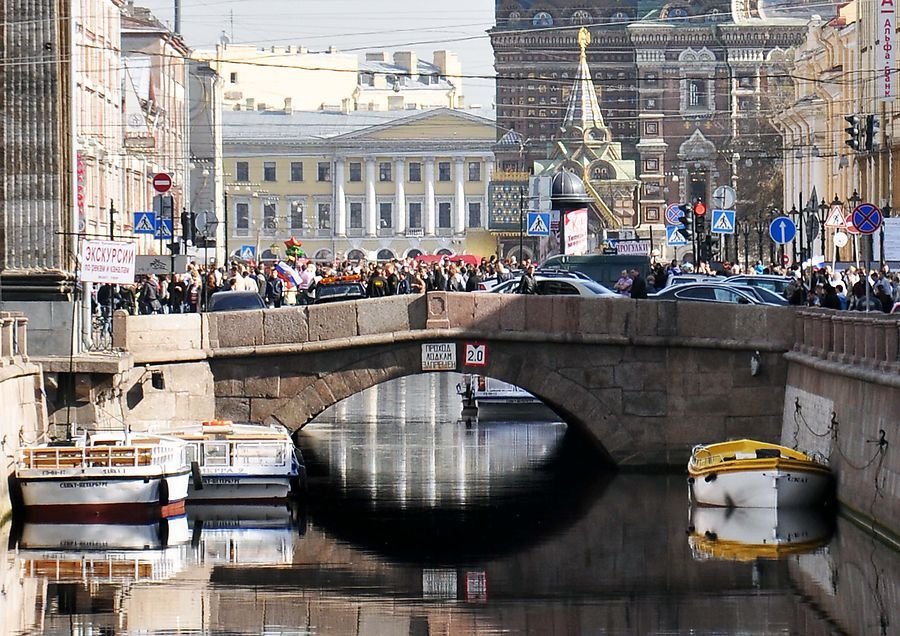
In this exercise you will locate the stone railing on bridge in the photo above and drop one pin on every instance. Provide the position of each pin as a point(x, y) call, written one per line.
point(13, 337)
point(865, 341)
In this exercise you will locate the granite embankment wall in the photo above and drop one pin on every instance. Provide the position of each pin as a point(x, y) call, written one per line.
point(842, 399)
point(23, 418)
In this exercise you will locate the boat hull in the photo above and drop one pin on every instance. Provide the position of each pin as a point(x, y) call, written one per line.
point(508, 409)
point(755, 488)
point(102, 498)
point(241, 489)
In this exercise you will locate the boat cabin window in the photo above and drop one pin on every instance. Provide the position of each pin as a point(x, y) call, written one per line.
point(215, 454)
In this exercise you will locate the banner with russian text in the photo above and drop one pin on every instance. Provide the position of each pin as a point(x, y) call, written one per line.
point(107, 262)
point(885, 64)
point(575, 231)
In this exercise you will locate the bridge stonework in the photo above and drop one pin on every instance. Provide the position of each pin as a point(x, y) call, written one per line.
point(643, 380)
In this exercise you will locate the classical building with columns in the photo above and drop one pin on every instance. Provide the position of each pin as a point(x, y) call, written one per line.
point(374, 185)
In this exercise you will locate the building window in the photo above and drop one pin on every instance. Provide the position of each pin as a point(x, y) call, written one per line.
point(385, 215)
point(474, 171)
point(296, 171)
point(652, 215)
point(324, 216)
point(475, 214)
point(242, 171)
point(242, 211)
point(651, 79)
point(651, 165)
point(581, 17)
point(356, 209)
point(384, 171)
point(696, 93)
point(415, 215)
point(444, 214)
point(324, 171)
point(269, 171)
point(542, 19)
point(651, 128)
point(444, 171)
point(270, 221)
point(355, 171)
point(296, 215)
point(233, 78)
point(415, 172)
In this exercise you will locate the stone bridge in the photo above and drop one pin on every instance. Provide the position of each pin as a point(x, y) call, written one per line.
point(644, 380)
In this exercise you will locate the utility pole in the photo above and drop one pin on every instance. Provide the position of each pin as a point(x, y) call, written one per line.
point(112, 220)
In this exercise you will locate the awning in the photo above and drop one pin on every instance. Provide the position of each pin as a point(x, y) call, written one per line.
point(468, 259)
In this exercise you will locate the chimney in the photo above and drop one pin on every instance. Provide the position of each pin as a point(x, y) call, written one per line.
point(288, 105)
point(376, 56)
point(251, 103)
point(409, 62)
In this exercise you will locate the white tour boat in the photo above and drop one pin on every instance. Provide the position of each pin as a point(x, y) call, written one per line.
point(104, 476)
point(495, 399)
point(751, 474)
point(241, 462)
point(747, 534)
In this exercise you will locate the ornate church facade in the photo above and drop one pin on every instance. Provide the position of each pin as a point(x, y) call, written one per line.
point(685, 88)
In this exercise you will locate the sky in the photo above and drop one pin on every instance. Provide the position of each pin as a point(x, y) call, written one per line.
point(351, 26)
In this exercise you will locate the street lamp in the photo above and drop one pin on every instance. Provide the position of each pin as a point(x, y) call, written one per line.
point(760, 228)
point(744, 226)
point(854, 200)
point(823, 212)
point(886, 212)
point(795, 217)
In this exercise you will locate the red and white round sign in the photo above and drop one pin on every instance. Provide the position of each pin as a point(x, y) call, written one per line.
point(786, 260)
point(162, 182)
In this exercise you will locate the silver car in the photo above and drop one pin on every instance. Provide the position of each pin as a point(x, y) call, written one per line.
point(710, 293)
point(560, 286)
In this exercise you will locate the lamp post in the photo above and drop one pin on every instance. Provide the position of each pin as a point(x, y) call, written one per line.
point(795, 216)
point(522, 198)
point(744, 226)
point(823, 211)
point(853, 201)
point(886, 212)
point(773, 252)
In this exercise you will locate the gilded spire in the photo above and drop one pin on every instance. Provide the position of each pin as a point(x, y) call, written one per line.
point(583, 111)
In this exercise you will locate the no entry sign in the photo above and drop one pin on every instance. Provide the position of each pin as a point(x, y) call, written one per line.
point(162, 182)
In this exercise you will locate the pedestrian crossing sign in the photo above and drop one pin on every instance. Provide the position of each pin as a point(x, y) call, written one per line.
point(145, 223)
point(674, 237)
point(723, 221)
point(163, 229)
point(248, 253)
point(538, 224)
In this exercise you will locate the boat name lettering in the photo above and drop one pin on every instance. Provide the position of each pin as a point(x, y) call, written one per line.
point(221, 481)
point(84, 484)
point(113, 471)
point(51, 473)
point(799, 480)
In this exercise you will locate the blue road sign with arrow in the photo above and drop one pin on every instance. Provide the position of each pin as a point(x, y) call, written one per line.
point(538, 224)
point(163, 228)
point(782, 230)
point(867, 218)
point(674, 237)
point(145, 223)
point(723, 221)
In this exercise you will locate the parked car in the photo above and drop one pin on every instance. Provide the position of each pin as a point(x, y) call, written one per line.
point(764, 294)
point(333, 289)
point(235, 301)
point(684, 279)
point(776, 284)
point(560, 286)
point(710, 293)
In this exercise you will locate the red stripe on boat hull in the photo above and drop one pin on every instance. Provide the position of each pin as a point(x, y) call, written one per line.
point(103, 513)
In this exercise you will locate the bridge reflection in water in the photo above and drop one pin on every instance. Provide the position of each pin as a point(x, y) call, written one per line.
point(418, 524)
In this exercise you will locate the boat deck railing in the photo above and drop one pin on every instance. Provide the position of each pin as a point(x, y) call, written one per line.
point(245, 452)
point(96, 457)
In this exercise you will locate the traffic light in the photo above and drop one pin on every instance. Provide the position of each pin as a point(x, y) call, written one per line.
point(174, 248)
point(853, 131)
point(700, 224)
point(187, 226)
point(872, 126)
point(687, 221)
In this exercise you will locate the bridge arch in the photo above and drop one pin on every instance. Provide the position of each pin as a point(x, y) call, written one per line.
point(292, 390)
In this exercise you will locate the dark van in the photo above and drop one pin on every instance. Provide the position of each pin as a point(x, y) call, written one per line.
point(603, 268)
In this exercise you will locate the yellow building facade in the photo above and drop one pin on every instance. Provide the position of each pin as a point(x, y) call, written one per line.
point(358, 185)
point(836, 76)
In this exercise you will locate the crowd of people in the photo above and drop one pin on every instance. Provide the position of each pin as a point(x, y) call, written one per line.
point(190, 291)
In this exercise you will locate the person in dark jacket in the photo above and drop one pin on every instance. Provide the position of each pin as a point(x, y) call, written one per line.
point(527, 284)
point(474, 279)
point(638, 285)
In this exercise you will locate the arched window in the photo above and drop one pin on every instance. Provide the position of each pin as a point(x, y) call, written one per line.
point(619, 17)
point(581, 17)
point(385, 255)
point(323, 255)
point(356, 255)
point(444, 252)
point(542, 19)
point(413, 253)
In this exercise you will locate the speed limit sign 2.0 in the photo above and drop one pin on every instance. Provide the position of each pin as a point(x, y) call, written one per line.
point(476, 354)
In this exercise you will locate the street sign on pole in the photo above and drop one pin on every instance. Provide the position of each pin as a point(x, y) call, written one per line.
point(782, 230)
point(867, 218)
point(145, 223)
point(163, 229)
point(835, 217)
point(812, 226)
point(674, 238)
point(848, 225)
point(674, 214)
point(162, 182)
point(723, 221)
point(538, 224)
point(724, 197)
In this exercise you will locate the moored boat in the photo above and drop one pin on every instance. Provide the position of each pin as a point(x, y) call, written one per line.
point(103, 477)
point(497, 400)
point(753, 474)
point(241, 462)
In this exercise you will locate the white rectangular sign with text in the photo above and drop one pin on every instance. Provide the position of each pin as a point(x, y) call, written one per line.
point(885, 65)
point(107, 262)
point(439, 356)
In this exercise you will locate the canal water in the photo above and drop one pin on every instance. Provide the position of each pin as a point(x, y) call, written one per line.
point(417, 522)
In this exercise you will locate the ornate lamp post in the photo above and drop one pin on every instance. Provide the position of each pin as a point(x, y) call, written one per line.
point(744, 226)
point(823, 216)
point(795, 217)
point(760, 228)
point(773, 251)
point(853, 201)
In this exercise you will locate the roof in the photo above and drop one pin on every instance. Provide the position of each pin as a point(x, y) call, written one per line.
point(407, 81)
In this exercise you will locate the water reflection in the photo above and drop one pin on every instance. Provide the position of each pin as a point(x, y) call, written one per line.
point(420, 525)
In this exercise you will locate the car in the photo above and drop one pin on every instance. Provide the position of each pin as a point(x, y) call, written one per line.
point(764, 294)
point(603, 268)
point(336, 288)
point(683, 279)
point(709, 292)
point(235, 301)
point(560, 286)
point(777, 284)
